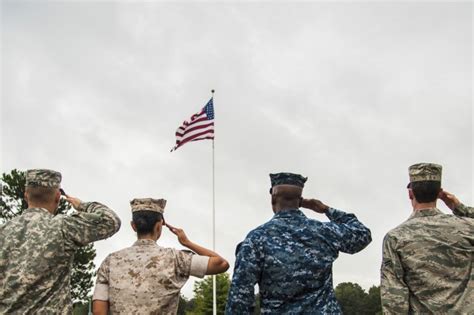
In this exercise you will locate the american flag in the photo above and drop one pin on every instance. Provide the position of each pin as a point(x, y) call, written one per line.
point(200, 127)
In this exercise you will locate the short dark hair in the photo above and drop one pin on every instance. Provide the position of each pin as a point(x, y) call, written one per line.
point(145, 221)
point(426, 191)
point(40, 194)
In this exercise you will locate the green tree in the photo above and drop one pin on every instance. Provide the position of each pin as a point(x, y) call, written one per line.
point(354, 300)
point(185, 306)
point(13, 204)
point(373, 303)
point(203, 295)
point(351, 298)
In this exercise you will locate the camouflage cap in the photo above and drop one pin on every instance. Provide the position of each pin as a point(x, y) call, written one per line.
point(425, 171)
point(287, 179)
point(43, 178)
point(148, 204)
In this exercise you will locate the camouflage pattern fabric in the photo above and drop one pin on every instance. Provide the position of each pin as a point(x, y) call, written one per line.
point(291, 257)
point(43, 178)
point(464, 211)
point(287, 179)
point(427, 265)
point(36, 254)
point(145, 278)
point(148, 204)
point(425, 172)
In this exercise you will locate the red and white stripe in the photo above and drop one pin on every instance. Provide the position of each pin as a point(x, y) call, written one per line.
point(198, 128)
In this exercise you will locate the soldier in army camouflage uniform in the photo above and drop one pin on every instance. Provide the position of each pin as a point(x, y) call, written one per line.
point(147, 278)
point(37, 248)
point(427, 260)
point(291, 256)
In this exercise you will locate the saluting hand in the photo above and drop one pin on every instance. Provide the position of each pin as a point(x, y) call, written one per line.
point(75, 202)
point(449, 199)
point(182, 238)
point(314, 204)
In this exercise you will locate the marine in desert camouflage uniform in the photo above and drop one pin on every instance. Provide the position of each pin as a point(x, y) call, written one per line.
point(146, 278)
point(37, 248)
point(427, 265)
point(290, 257)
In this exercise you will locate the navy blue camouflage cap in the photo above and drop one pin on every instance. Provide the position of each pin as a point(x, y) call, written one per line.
point(148, 204)
point(288, 179)
point(43, 178)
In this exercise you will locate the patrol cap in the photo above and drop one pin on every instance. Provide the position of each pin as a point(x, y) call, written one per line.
point(43, 178)
point(425, 172)
point(148, 204)
point(287, 179)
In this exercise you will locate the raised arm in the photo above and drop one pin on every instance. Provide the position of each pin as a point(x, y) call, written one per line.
point(349, 234)
point(215, 264)
point(453, 203)
point(92, 222)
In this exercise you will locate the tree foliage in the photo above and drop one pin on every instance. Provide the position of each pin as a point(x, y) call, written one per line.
point(354, 300)
point(13, 204)
point(202, 302)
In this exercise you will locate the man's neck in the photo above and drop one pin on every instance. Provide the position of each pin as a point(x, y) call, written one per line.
point(422, 206)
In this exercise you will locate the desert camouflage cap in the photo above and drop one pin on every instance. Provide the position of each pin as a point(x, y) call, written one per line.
point(425, 171)
point(43, 178)
point(287, 179)
point(148, 204)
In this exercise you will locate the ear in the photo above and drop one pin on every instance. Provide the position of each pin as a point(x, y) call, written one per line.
point(134, 227)
point(57, 198)
point(410, 194)
point(441, 193)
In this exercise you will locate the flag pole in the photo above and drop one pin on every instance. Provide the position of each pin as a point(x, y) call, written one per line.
point(214, 295)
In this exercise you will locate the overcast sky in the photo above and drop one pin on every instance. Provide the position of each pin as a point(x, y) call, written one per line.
point(347, 94)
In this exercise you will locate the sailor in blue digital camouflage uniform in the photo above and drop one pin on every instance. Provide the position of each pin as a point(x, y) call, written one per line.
point(291, 256)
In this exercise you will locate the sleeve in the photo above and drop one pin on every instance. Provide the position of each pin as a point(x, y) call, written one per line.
point(247, 270)
point(91, 223)
point(393, 290)
point(101, 291)
point(464, 211)
point(183, 260)
point(199, 266)
point(349, 234)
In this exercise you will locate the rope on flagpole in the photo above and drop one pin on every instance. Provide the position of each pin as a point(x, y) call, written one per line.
point(214, 291)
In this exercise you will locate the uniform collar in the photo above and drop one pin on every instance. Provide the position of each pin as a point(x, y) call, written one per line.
point(144, 242)
point(38, 210)
point(425, 213)
point(288, 213)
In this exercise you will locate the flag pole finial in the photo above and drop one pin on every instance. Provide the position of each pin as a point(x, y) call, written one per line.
point(212, 91)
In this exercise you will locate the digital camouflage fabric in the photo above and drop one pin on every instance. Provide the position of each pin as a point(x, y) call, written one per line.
point(36, 254)
point(148, 204)
point(43, 178)
point(287, 179)
point(146, 278)
point(427, 264)
point(425, 172)
point(291, 257)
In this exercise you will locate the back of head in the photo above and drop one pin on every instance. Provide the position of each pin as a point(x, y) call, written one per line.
point(145, 221)
point(286, 190)
point(146, 213)
point(425, 181)
point(426, 191)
